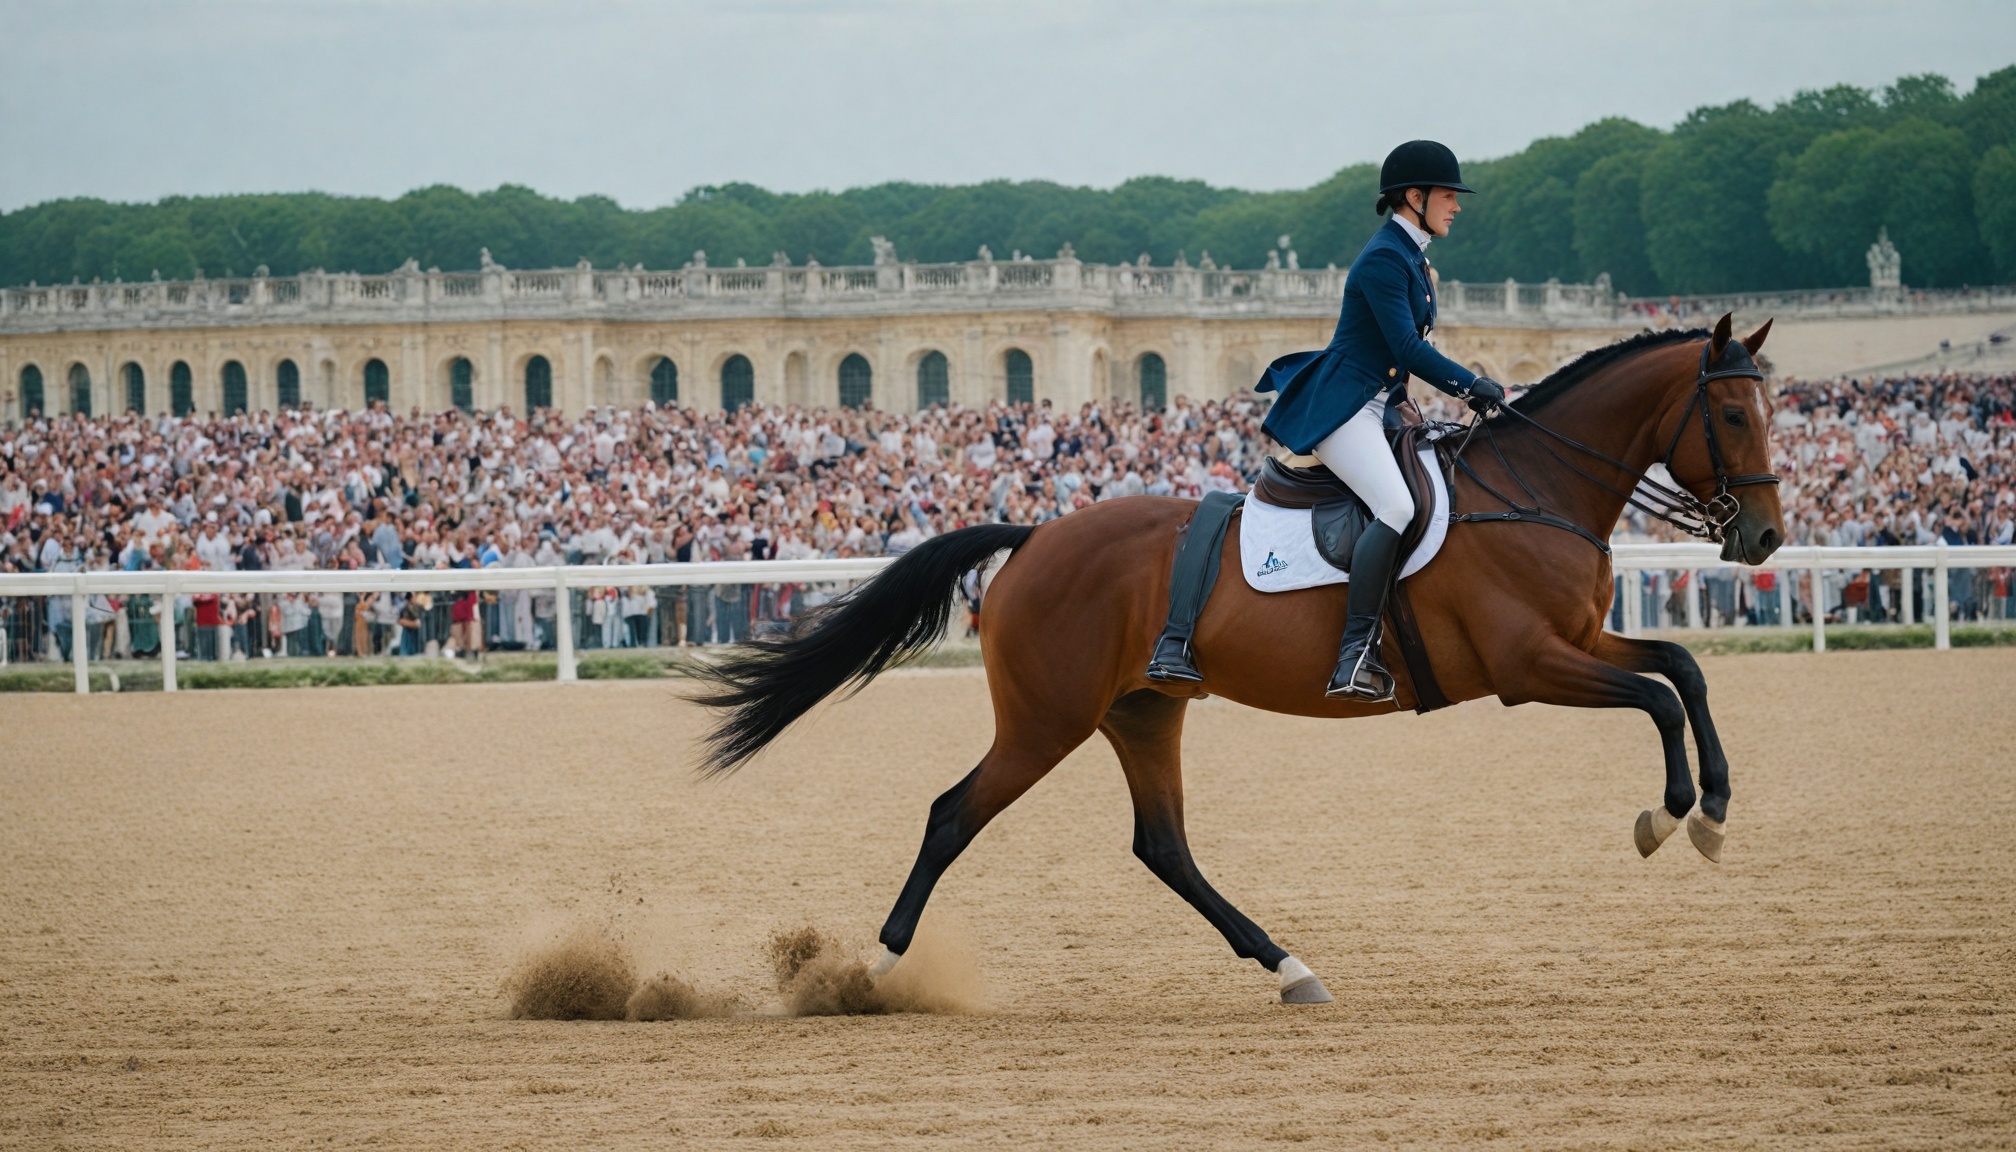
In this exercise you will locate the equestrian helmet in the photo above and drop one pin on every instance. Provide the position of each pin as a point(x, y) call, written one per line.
point(1420, 164)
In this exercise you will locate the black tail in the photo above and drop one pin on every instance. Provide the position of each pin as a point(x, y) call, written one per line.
point(897, 615)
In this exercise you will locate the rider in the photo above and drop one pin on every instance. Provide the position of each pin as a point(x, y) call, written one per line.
point(1335, 403)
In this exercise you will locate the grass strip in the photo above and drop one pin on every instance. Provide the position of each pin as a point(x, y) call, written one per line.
point(658, 664)
point(1840, 638)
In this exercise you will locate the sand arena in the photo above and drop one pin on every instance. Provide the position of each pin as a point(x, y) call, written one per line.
point(250, 919)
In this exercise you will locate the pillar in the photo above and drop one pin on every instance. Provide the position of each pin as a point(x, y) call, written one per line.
point(969, 387)
point(413, 383)
point(492, 389)
point(578, 389)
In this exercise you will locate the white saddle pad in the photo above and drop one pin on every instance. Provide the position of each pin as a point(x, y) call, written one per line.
point(1277, 549)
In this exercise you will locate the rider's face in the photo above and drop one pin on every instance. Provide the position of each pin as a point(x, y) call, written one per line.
point(1442, 209)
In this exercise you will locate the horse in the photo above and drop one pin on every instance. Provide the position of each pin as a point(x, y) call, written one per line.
point(1513, 607)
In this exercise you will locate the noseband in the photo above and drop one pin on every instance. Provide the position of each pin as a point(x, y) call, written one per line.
point(1673, 505)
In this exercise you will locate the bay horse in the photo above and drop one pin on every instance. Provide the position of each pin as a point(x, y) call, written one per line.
point(1510, 608)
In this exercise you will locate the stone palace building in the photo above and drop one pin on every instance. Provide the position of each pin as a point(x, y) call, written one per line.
point(894, 334)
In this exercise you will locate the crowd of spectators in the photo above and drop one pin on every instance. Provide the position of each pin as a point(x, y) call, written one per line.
point(1901, 460)
point(1907, 460)
point(309, 489)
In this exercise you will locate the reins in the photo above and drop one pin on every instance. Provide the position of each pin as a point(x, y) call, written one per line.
point(1668, 503)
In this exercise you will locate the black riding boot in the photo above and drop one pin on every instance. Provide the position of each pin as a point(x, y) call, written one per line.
point(1359, 674)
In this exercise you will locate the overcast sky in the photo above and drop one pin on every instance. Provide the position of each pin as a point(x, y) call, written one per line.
point(641, 101)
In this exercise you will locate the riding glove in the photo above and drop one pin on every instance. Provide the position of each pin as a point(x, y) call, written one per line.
point(1485, 393)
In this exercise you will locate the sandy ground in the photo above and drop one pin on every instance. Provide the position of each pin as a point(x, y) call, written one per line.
point(267, 919)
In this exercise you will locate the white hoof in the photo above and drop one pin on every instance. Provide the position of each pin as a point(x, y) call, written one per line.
point(1654, 826)
point(1299, 985)
point(1707, 836)
point(884, 963)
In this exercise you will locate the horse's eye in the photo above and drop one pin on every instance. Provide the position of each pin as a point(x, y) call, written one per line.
point(1733, 417)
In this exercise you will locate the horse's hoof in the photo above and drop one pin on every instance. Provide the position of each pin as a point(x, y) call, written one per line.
point(884, 963)
point(1707, 836)
point(1653, 827)
point(1299, 985)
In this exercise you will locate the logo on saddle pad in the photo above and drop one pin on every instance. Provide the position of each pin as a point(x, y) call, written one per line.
point(1274, 564)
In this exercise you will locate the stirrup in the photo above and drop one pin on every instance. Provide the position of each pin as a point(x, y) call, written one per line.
point(1368, 680)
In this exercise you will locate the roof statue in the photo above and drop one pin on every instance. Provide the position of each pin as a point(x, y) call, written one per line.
point(1886, 266)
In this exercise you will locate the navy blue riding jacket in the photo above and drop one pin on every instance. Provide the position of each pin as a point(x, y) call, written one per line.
point(1389, 306)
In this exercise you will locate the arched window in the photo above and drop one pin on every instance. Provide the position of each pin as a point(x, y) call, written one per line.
point(235, 398)
point(80, 390)
point(181, 389)
point(287, 384)
point(1154, 383)
point(538, 384)
point(462, 384)
point(32, 403)
point(136, 388)
point(738, 382)
point(857, 381)
point(377, 382)
point(934, 380)
point(1021, 377)
point(664, 382)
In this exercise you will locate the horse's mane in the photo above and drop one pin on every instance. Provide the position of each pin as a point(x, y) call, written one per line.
point(1564, 379)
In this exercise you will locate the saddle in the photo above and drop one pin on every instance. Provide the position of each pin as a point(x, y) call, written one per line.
point(1337, 518)
point(1337, 515)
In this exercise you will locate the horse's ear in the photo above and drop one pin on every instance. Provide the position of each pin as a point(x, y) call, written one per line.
point(1755, 340)
point(1720, 339)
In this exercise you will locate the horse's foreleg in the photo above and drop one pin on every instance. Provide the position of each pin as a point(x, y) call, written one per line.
point(1009, 769)
point(1146, 731)
point(1677, 665)
point(1560, 673)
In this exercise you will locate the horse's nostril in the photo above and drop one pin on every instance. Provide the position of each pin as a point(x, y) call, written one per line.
point(1768, 540)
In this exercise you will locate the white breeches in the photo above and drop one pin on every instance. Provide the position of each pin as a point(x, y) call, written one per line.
point(1358, 453)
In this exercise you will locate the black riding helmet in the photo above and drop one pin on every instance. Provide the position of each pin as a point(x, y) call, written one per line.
point(1422, 164)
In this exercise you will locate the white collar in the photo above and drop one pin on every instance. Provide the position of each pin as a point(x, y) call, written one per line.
point(1414, 231)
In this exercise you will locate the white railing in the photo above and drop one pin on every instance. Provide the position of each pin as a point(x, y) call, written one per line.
point(80, 586)
point(1812, 562)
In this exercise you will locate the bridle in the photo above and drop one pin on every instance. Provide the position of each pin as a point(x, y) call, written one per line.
point(1708, 520)
point(1721, 508)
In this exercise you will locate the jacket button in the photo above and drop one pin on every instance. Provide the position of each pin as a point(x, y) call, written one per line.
point(1392, 371)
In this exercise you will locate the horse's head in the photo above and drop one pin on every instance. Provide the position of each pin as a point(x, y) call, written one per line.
point(1721, 446)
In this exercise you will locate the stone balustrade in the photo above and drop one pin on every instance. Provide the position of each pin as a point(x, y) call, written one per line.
point(1823, 303)
point(887, 288)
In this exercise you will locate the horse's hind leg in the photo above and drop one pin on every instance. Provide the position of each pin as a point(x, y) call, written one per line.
point(1011, 767)
point(1146, 730)
point(1677, 665)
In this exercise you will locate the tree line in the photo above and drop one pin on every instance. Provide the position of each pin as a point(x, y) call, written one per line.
point(1736, 197)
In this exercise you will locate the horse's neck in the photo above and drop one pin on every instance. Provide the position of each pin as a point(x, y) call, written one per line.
point(1619, 413)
